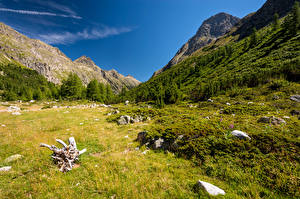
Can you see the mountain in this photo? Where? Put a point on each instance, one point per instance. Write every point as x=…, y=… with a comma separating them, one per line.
x=263, y=16
x=229, y=64
x=53, y=64
x=212, y=28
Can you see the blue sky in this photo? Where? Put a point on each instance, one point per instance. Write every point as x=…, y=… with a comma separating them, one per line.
x=135, y=37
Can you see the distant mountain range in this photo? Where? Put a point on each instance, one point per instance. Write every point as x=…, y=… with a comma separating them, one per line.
x=53, y=64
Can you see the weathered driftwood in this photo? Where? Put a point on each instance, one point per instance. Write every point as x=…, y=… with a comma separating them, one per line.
x=65, y=157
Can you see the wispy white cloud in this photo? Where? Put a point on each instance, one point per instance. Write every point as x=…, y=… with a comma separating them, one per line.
x=30, y=12
x=68, y=37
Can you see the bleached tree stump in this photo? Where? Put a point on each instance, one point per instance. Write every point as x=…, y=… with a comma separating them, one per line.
x=65, y=157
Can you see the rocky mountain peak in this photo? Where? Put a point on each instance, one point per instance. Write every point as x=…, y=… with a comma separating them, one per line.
x=85, y=60
x=263, y=16
x=212, y=28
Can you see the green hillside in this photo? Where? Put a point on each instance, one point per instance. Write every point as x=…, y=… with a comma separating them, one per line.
x=270, y=53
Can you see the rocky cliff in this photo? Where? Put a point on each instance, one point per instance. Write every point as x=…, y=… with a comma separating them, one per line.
x=212, y=28
x=52, y=63
x=263, y=16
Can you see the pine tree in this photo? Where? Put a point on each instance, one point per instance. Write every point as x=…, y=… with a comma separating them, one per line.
x=276, y=22
x=72, y=88
x=295, y=23
x=253, y=38
x=109, y=94
x=93, y=91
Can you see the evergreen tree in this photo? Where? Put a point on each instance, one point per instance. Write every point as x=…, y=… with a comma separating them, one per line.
x=276, y=22
x=253, y=38
x=37, y=94
x=295, y=23
x=109, y=94
x=72, y=88
x=93, y=91
x=102, y=90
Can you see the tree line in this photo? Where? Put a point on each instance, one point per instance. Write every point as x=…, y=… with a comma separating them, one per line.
x=20, y=83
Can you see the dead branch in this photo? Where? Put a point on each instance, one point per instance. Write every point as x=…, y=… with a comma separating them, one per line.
x=65, y=157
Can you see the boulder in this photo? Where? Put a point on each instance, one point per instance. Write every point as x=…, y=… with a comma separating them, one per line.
x=124, y=119
x=13, y=158
x=211, y=189
x=158, y=143
x=277, y=121
x=295, y=98
x=5, y=168
x=141, y=138
x=264, y=119
x=240, y=134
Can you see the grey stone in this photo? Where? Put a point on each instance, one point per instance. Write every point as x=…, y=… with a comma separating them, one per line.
x=5, y=168
x=240, y=134
x=295, y=98
x=264, y=119
x=124, y=119
x=211, y=189
x=13, y=158
x=210, y=100
x=158, y=143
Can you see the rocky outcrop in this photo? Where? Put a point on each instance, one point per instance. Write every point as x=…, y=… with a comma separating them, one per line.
x=212, y=28
x=263, y=16
x=53, y=64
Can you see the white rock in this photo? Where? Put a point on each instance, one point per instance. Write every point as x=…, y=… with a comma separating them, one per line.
x=145, y=152
x=3, y=125
x=5, y=168
x=126, y=136
x=13, y=158
x=81, y=124
x=286, y=117
x=211, y=189
x=32, y=101
x=250, y=103
x=210, y=100
x=228, y=104
x=16, y=113
x=240, y=134
x=96, y=119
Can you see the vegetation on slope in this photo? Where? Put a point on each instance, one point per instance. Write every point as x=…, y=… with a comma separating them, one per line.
x=270, y=53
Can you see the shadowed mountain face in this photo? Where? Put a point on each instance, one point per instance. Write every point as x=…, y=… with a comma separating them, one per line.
x=212, y=28
x=53, y=64
x=263, y=16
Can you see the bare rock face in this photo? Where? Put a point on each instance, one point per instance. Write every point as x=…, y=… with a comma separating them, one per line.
x=212, y=28
x=263, y=16
x=52, y=63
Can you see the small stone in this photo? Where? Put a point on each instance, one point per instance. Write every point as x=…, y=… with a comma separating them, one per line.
x=126, y=102
x=228, y=104
x=13, y=158
x=264, y=119
x=210, y=100
x=81, y=124
x=126, y=136
x=295, y=98
x=250, y=103
x=3, y=125
x=211, y=189
x=158, y=143
x=16, y=113
x=5, y=168
x=137, y=148
x=286, y=117
x=124, y=119
x=145, y=152
x=96, y=119
x=240, y=134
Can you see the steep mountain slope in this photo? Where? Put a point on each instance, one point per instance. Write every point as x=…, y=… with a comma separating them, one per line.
x=263, y=16
x=212, y=28
x=52, y=63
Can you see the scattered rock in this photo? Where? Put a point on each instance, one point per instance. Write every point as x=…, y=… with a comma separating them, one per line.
x=228, y=104
x=295, y=112
x=273, y=120
x=31, y=101
x=5, y=168
x=3, y=125
x=240, y=134
x=96, y=119
x=158, y=143
x=211, y=189
x=286, y=117
x=276, y=97
x=210, y=100
x=13, y=158
x=141, y=138
x=124, y=119
x=137, y=148
x=264, y=119
x=16, y=113
x=295, y=98
x=126, y=103
x=126, y=136
x=250, y=103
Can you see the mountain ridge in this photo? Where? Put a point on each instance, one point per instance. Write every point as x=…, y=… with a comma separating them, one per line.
x=52, y=63
x=211, y=29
